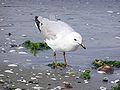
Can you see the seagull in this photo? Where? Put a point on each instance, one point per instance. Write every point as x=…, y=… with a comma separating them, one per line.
x=59, y=36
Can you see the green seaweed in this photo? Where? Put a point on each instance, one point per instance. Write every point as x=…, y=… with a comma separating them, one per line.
x=117, y=87
x=97, y=63
x=35, y=47
x=85, y=75
x=54, y=65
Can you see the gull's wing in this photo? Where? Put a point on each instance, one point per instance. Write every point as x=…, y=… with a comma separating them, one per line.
x=51, y=29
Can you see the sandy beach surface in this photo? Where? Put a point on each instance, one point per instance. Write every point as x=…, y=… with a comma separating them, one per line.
x=98, y=21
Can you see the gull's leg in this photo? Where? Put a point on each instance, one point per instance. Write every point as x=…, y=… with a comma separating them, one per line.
x=54, y=54
x=65, y=61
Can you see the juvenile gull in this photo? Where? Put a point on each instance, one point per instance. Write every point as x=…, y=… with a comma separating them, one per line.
x=58, y=35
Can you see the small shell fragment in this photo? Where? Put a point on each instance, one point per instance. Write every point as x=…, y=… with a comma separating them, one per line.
x=110, y=11
x=20, y=47
x=1, y=75
x=38, y=88
x=23, y=35
x=54, y=79
x=11, y=51
x=8, y=71
x=86, y=81
x=117, y=37
x=103, y=88
x=12, y=65
x=18, y=89
x=22, y=53
x=116, y=81
x=33, y=78
x=48, y=73
x=67, y=76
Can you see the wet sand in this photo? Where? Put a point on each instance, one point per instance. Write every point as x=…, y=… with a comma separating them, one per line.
x=15, y=76
x=97, y=21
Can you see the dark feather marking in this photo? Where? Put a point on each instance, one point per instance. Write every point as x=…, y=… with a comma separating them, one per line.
x=37, y=22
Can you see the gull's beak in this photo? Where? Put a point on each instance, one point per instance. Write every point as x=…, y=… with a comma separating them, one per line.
x=82, y=45
x=37, y=22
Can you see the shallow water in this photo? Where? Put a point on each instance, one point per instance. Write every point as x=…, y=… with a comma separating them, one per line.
x=98, y=21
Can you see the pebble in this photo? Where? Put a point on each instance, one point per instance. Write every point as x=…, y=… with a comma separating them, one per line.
x=117, y=37
x=54, y=79
x=13, y=85
x=2, y=3
x=33, y=78
x=23, y=81
x=22, y=53
x=112, y=82
x=79, y=70
x=20, y=47
x=3, y=49
x=8, y=71
x=92, y=38
x=18, y=89
x=118, y=13
x=13, y=45
x=23, y=35
x=77, y=77
x=79, y=82
x=2, y=29
x=48, y=73
x=103, y=88
x=28, y=60
x=37, y=85
x=40, y=73
x=11, y=51
x=10, y=24
x=13, y=40
x=110, y=11
x=21, y=70
x=105, y=79
x=70, y=72
x=12, y=65
x=9, y=34
x=38, y=76
x=6, y=61
x=116, y=81
x=38, y=88
x=1, y=75
x=58, y=88
x=67, y=76
x=17, y=73
x=60, y=78
x=1, y=81
x=1, y=19
x=101, y=72
x=86, y=81
x=27, y=84
x=33, y=82
x=8, y=39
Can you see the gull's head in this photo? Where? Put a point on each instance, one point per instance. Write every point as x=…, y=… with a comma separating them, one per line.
x=76, y=39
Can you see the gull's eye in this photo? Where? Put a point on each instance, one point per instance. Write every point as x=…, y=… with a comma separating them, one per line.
x=41, y=24
x=75, y=39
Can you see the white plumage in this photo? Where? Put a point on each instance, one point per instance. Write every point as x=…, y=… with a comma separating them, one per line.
x=58, y=35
